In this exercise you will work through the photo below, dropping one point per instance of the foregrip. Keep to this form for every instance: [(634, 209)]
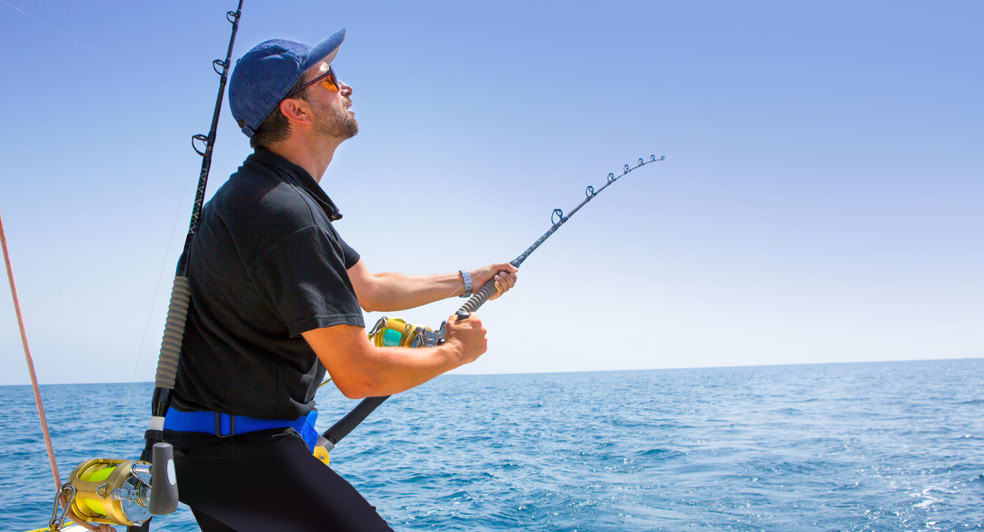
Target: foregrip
[(477, 299), (485, 292)]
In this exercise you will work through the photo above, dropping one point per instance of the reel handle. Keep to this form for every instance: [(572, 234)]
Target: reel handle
[(163, 480)]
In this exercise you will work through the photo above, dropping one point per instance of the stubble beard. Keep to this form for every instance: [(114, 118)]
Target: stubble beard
[(336, 123)]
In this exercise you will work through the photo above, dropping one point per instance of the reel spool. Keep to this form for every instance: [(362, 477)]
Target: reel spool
[(118, 492), (394, 332), (114, 492)]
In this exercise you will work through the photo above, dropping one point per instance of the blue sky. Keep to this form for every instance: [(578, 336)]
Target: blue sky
[(819, 201)]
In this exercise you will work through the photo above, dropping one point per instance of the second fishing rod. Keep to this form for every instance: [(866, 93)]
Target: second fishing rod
[(396, 332)]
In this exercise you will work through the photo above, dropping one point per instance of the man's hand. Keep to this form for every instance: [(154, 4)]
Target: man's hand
[(467, 336), (504, 274)]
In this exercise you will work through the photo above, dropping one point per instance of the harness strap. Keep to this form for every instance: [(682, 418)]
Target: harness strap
[(225, 425)]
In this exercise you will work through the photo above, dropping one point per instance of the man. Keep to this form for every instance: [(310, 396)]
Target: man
[(277, 298)]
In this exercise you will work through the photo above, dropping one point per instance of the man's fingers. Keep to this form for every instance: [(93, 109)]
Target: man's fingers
[(503, 275), (504, 281), (508, 267), (503, 266), (498, 288)]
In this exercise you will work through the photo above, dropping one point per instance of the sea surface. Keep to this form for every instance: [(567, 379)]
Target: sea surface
[(867, 446)]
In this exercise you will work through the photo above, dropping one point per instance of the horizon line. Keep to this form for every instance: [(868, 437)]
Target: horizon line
[(449, 374)]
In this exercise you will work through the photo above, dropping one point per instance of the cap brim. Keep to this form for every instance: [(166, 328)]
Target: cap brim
[(326, 50)]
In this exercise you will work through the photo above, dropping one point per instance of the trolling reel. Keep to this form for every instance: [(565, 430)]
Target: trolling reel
[(118, 492), (394, 332), (387, 332)]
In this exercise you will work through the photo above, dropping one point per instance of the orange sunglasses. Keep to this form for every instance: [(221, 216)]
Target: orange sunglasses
[(327, 79)]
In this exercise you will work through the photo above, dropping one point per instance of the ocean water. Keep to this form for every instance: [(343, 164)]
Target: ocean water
[(869, 446)]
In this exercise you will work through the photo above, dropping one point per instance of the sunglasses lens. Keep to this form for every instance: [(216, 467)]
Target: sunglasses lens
[(330, 81)]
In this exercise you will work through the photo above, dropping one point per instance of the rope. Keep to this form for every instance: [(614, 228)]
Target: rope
[(30, 361)]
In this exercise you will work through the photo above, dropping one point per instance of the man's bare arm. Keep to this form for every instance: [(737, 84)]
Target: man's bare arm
[(360, 369), (397, 291)]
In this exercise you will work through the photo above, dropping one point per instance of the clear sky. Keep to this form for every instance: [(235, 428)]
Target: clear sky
[(820, 200)]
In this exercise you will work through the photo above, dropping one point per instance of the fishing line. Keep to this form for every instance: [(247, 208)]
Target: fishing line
[(76, 40), (28, 15), (121, 431)]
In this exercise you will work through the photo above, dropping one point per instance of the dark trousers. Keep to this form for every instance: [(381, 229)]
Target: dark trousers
[(266, 480)]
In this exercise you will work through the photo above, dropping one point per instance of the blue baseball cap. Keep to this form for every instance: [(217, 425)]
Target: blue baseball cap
[(264, 74)]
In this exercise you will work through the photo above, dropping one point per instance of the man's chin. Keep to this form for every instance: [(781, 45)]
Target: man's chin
[(352, 128)]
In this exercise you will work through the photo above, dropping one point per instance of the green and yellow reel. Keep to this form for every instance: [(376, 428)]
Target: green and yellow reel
[(394, 332), (118, 492), (114, 492)]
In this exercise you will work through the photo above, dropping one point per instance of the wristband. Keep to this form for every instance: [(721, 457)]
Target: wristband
[(468, 284)]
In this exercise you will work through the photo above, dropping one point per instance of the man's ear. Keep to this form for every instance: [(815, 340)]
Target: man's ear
[(296, 110)]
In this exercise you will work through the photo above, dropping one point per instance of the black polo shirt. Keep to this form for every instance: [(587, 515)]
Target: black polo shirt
[(265, 265)]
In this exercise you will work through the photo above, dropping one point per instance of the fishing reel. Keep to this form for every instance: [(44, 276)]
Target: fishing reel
[(394, 332), (387, 332), (118, 492)]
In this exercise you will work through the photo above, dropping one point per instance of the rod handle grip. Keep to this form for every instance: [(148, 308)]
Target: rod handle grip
[(477, 299)]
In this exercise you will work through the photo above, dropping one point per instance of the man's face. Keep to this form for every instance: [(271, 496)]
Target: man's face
[(331, 108)]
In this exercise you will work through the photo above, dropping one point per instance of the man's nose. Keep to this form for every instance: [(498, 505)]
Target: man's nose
[(346, 89)]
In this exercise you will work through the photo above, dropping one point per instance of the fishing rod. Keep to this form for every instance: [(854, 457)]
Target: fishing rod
[(392, 332), (128, 492), (177, 311)]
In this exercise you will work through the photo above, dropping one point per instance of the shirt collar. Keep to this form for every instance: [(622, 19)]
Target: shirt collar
[(299, 176)]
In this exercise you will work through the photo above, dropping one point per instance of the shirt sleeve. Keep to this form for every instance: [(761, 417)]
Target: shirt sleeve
[(304, 277), (350, 255)]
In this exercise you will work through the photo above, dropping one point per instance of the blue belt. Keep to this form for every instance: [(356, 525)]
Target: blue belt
[(225, 425)]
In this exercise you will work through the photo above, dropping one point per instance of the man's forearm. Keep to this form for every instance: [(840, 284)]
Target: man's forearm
[(370, 371), (361, 369), (391, 370), (398, 291)]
